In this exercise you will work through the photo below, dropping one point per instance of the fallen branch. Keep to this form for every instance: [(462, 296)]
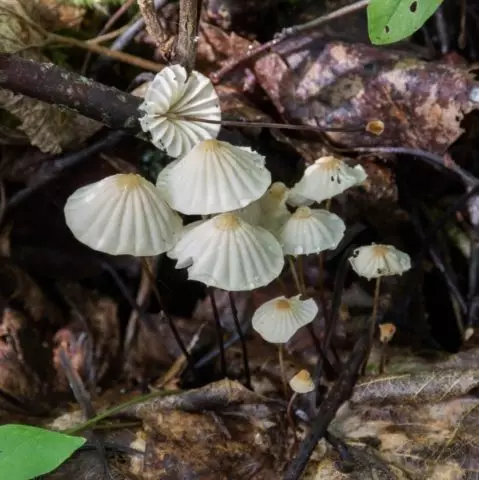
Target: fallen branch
[(58, 86), (339, 393)]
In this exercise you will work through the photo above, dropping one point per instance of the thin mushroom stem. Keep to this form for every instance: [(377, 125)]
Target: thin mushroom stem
[(372, 322), (282, 369), (289, 416), (322, 295), (219, 332), (171, 324), (244, 348), (301, 274), (295, 274)]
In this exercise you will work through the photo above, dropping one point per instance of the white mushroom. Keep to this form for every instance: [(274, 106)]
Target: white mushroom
[(311, 231), (302, 382), (327, 177), (122, 214), (227, 252), (170, 99), (279, 319), (216, 177), (374, 261)]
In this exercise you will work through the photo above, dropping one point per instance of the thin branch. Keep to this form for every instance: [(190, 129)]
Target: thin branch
[(185, 53), (286, 33), (339, 393), (152, 23), (116, 55)]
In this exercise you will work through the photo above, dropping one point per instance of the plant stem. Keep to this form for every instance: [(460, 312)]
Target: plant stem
[(117, 409), (295, 274), (281, 367), (219, 332), (289, 416), (372, 323), (301, 274), (174, 330), (244, 348), (152, 23), (185, 53)]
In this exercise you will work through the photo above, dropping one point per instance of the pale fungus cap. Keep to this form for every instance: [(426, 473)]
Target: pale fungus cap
[(279, 319), (311, 231), (227, 252), (216, 177), (123, 214), (375, 261), (327, 177), (274, 212), (302, 382), (172, 97), (386, 332), (297, 200)]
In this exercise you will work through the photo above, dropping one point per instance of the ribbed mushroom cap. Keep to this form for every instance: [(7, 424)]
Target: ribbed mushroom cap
[(216, 177), (227, 252), (171, 98), (279, 319), (327, 177), (311, 231), (122, 214), (375, 261)]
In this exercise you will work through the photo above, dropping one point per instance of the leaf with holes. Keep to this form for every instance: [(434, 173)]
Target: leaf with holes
[(28, 452), (392, 20)]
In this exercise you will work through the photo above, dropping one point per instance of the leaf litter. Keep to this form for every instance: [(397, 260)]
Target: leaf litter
[(418, 419)]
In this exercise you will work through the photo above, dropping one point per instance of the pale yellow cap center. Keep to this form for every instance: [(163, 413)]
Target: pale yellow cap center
[(210, 145), (303, 376), (128, 181), (277, 190), (302, 213), (282, 304), (227, 221), (328, 163), (380, 250)]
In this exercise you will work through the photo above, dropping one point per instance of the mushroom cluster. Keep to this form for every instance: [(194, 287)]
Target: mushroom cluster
[(249, 224)]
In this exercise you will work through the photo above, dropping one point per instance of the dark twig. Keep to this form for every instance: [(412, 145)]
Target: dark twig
[(286, 33), (56, 85), (433, 159), (83, 399), (219, 331), (339, 393), (153, 25), (64, 162), (244, 347), (185, 53), (169, 319)]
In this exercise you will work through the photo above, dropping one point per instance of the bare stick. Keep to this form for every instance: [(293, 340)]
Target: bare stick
[(152, 23), (219, 332), (187, 34), (286, 33), (244, 348)]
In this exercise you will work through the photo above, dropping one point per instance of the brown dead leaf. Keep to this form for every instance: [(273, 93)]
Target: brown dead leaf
[(50, 128), (420, 103), (25, 370), (92, 338)]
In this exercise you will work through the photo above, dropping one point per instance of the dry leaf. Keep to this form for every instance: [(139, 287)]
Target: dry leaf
[(49, 127)]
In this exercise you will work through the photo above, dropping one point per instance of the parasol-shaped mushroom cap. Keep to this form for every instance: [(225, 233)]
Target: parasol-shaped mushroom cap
[(227, 252), (302, 382), (327, 177), (123, 214), (216, 177), (311, 231), (376, 260), (279, 319), (170, 99)]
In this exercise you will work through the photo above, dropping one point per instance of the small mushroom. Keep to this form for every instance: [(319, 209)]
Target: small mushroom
[(173, 97)]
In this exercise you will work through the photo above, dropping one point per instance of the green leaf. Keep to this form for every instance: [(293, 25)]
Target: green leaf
[(27, 452), (392, 20)]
